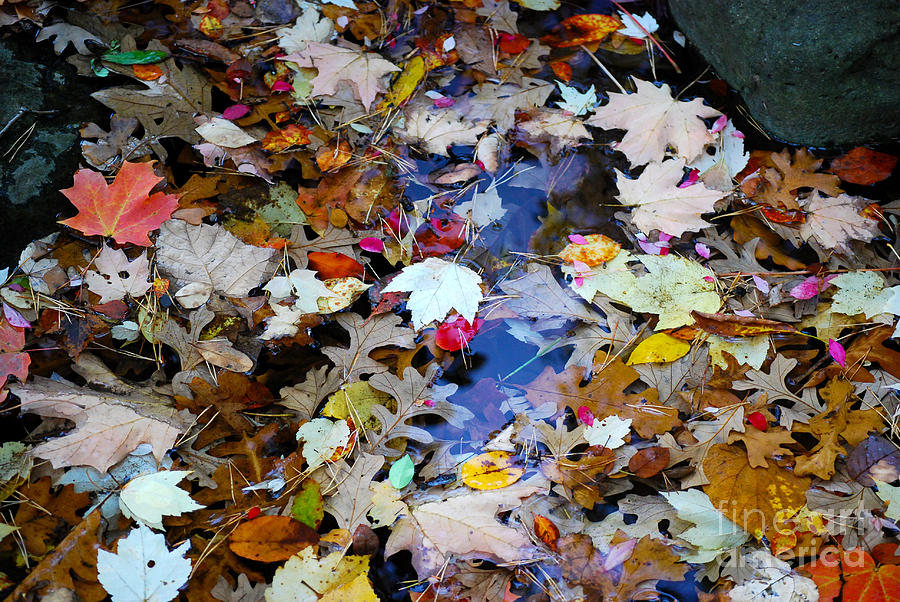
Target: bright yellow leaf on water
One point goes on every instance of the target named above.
(492, 470)
(596, 250)
(406, 83)
(658, 348)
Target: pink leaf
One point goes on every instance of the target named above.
(281, 86)
(581, 267)
(837, 352)
(719, 125)
(618, 554)
(810, 287)
(444, 103)
(743, 312)
(586, 415)
(578, 239)
(691, 179)
(370, 243)
(702, 250)
(579, 281)
(761, 284)
(235, 111)
(14, 317)
(663, 237)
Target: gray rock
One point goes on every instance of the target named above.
(812, 72)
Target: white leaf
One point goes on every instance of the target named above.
(436, 130)
(323, 438)
(632, 30)
(147, 498)
(576, 102)
(224, 133)
(436, 287)
(609, 432)
(304, 285)
(308, 28)
(108, 281)
(143, 568)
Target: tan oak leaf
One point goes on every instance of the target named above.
(366, 335)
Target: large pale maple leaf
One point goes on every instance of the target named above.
(660, 204)
(654, 121)
(362, 70)
(125, 209)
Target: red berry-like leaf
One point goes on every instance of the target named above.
(456, 334)
(758, 420)
(125, 209)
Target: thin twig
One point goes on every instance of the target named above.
(603, 67)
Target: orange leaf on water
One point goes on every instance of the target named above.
(492, 470)
(124, 209)
(582, 29)
(271, 538)
(863, 166)
(738, 326)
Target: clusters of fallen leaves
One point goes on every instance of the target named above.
(231, 388)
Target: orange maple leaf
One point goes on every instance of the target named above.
(124, 209)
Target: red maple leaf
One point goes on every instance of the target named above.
(124, 209)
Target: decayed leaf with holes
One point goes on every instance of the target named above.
(660, 204)
(758, 499)
(143, 568)
(107, 428)
(125, 209)
(437, 130)
(365, 336)
(604, 396)
(364, 71)
(415, 396)
(834, 222)
(116, 276)
(654, 120)
(203, 259)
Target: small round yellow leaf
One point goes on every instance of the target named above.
(492, 470)
(659, 347)
(596, 249)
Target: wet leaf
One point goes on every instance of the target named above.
(659, 347)
(271, 538)
(492, 470)
(738, 326)
(124, 210)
